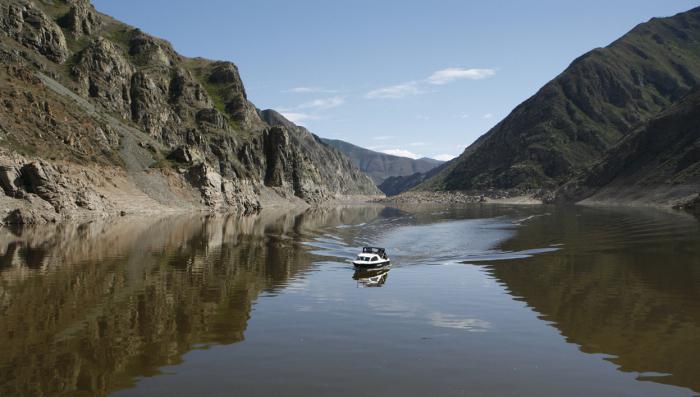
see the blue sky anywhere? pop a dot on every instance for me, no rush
(418, 78)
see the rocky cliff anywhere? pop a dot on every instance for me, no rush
(569, 124)
(98, 116)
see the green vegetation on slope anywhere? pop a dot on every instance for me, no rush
(571, 121)
(662, 152)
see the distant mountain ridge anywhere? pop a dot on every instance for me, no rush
(380, 166)
(571, 122)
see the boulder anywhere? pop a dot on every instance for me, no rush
(11, 180)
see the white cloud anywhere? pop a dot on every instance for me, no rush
(402, 153)
(422, 117)
(416, 144)
(444, 157)
(488, 116)
(448, 75)
(298, 118)
(440, 77)
(310, 90)
(395, 91)
(383, 137)
(323, 103)
(463, 116)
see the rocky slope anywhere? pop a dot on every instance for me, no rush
(658, 162)
(83, 94)
(575, 118)
(381, 166)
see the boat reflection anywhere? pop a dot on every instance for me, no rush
(375, 277)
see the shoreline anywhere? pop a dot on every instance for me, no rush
(515, 197)
(32, 209)
(688, 203)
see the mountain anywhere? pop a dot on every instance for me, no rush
(99, 117)
(395, 185)
(570, 123)
(658, 162)
(380, 166)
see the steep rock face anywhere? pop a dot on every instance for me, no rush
(234, 99)
(658, 161)
(172, 126)
(219, 192)
(81, 19)
(149, 106)
(103, 73)
(575, 118)
(381, 166)
(29, 25)
(318, 170)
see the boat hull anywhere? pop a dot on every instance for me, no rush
(369, 265)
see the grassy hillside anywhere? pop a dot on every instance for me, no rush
(571, 121)
(658, 161)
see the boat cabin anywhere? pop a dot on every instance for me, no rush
(381, 252)
(368, 258)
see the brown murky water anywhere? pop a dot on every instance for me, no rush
(481, 300)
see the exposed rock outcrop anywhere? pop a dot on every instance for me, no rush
(81, 19)
(29, 25)
(104, 73)
(172, 132)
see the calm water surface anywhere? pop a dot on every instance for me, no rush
(481, 300)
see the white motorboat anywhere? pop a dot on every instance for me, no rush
(372, 257)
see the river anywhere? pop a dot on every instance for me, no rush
(480, 300)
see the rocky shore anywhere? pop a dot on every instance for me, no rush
(467, 197)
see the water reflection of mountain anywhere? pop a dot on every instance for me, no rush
(625, 284)
(84, 309)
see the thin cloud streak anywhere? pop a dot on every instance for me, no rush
(310, 90)
(395, 91)
(440, 77)
(444, 76)
(323, 103)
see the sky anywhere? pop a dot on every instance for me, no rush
(405, 77)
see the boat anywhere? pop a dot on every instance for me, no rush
(372, 257)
